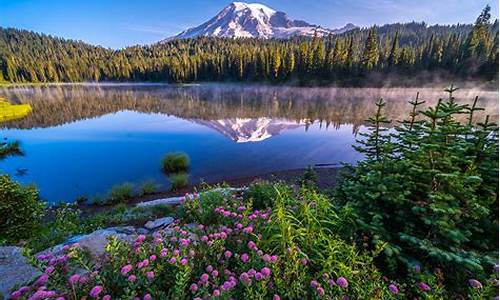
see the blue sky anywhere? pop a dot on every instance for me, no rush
(120, 23)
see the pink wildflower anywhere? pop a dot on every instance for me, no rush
(266, 271)
(252, 245)
(276, 297)
(73, 279)
(314, 283)
(163, 252)
(228, 254)
(95, 291)
(204, 277)
(259, 276)
(16, 294)
(475, 284)
(42, 279)
(393, 288)
(342, 282)
(244, 257)
(424, 286)
(140, 239)
(132, 278)
(147, 297)
(248, 229)
(126, 269)
(193, 287)
(216, 293)
(150, 274)
(106, 297)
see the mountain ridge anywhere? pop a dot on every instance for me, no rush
(255, 20)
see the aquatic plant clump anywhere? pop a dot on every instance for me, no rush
(121, 193)
(178, 181)
(175, 163)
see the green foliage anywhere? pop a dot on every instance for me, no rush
(121, 193)
(430, 189)
(148, 187)
(175, 163)
(309, 178)
(178, 181)
(261, 194)
(20, 208)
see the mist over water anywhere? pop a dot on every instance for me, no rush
(83, 139)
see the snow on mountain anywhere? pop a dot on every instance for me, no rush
(240, 19)
(243, 130)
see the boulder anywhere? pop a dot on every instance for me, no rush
(162, 222)
(96, 241)
(14, 269)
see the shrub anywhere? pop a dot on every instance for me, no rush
(309, 178)
(175, 163)
(121, 193)
(430, 190)
(148, 187)
(178, 181)
(261, 193)
(20, 208)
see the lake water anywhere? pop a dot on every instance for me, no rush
(83, 139)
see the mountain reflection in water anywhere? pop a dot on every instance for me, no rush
(82, 139)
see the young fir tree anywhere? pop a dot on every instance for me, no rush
(434, 196)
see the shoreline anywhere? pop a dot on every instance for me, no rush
(327, 177)
(462, 83)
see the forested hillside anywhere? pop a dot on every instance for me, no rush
(459, 51)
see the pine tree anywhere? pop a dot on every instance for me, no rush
(371, 53)
(392, 60)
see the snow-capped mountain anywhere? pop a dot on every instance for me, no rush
(243, 130)
(240, 19)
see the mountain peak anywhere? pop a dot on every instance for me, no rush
(256, 20)
(256, 8)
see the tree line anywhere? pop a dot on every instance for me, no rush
(462, 51)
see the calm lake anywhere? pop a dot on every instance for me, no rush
(83, 139)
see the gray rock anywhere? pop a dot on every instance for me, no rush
(164, 201)
(97, 240)
(142, 231)
(14, 269)
(124, 229)
(159, 223)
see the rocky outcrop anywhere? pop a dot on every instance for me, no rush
(158, 223)
(14, 269)
(96, 241)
